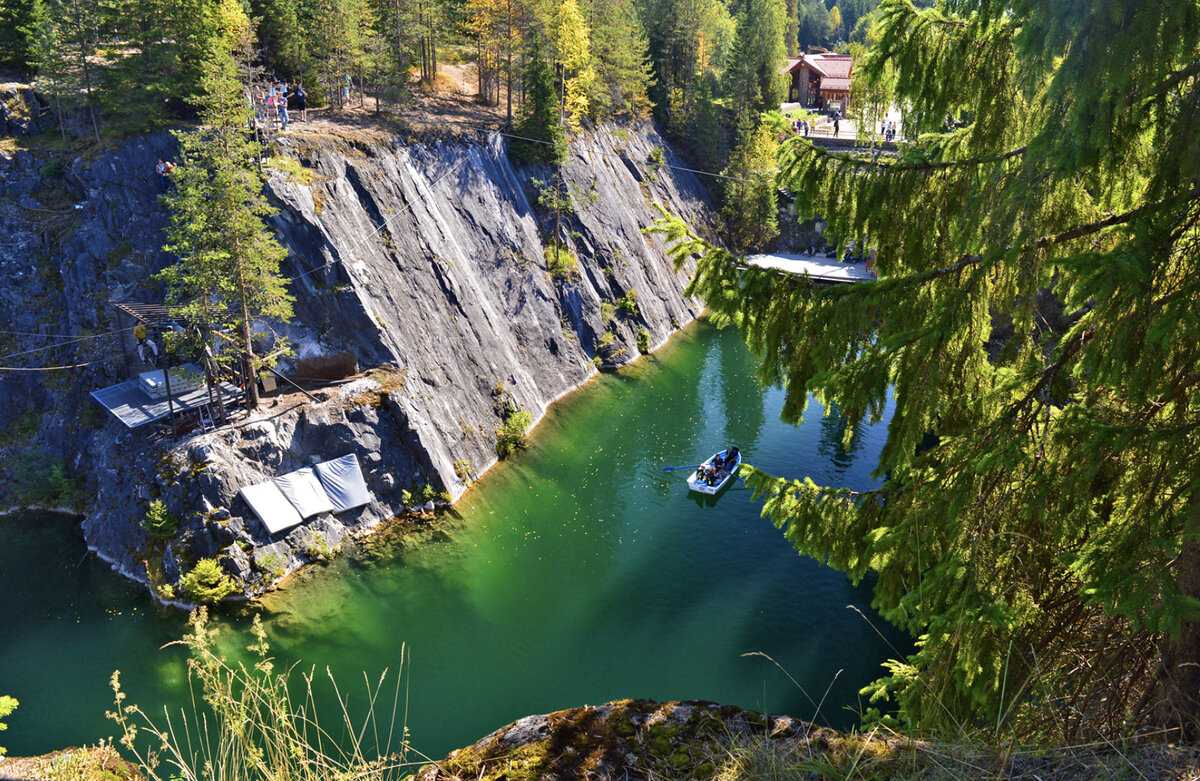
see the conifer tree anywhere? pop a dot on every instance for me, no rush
(284, 39)
(47, 57)
(622, 62)
(756, 84)
(156, 68)
(227, 276)
(1034, 329)
(539, 115)
(835, 24)
(749, 209)
(486, 25)
(16, 20)
(79, 27)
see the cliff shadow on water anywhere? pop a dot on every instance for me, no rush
(463, 288)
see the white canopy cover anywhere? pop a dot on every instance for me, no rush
(343, 481)
(271, 507)
(305, 493)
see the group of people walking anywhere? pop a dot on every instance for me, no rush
(888, 130)
(270, 104)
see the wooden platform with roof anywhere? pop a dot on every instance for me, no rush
(172, 392)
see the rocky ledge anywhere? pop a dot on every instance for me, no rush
(629, 740)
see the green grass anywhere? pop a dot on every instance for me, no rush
(254, 723)
(560, 263)
(293, 169)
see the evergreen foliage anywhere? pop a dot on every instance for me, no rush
(228, 270)
(539, 113)
(756, 85)
(16, 18)
(749, 207)
(207, 583)
(160, 521)
(510, 435)
(1034, 324)
(622, 60)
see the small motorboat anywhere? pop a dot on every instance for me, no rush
(715, 473)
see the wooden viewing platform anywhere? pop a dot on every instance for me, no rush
(818, 268)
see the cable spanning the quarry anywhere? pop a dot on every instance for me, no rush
(661, 165)
(59, 344)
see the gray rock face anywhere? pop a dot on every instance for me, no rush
(22, 111)
(427, 262)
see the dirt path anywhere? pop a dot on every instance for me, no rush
(449, 107)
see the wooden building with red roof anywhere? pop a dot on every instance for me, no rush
(819, 81)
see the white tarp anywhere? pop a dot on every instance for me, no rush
(184, 378)
(343, 481)
(305, 493)
(271, 507)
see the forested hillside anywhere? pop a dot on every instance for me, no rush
(702, 67)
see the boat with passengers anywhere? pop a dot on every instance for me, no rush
(715, 473)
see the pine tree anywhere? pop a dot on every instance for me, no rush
(622, 61)
(47, 56)
(749, 209)
(227, 276)
(486, 26)
(16, 19)
(1034, 331)
(155, 71)
(79, 29)
(285, 42)
(539, 116)
(755, 83)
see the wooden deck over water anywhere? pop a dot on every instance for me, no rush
(818, 268)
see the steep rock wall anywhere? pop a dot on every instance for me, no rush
(426, 258)
(431, 257)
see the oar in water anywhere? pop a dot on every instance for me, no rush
(673, 468)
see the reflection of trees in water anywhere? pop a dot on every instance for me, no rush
(833, 428)
(741, 395)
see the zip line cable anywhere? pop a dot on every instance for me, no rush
(662, 165)
(49, 368)
(63, 344)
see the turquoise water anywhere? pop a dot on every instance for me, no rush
(577, 572)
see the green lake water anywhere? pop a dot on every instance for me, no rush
(576, 573)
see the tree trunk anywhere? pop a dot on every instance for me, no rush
(508, 45)
(87, 72)
(1181, 658)
(250, 377)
